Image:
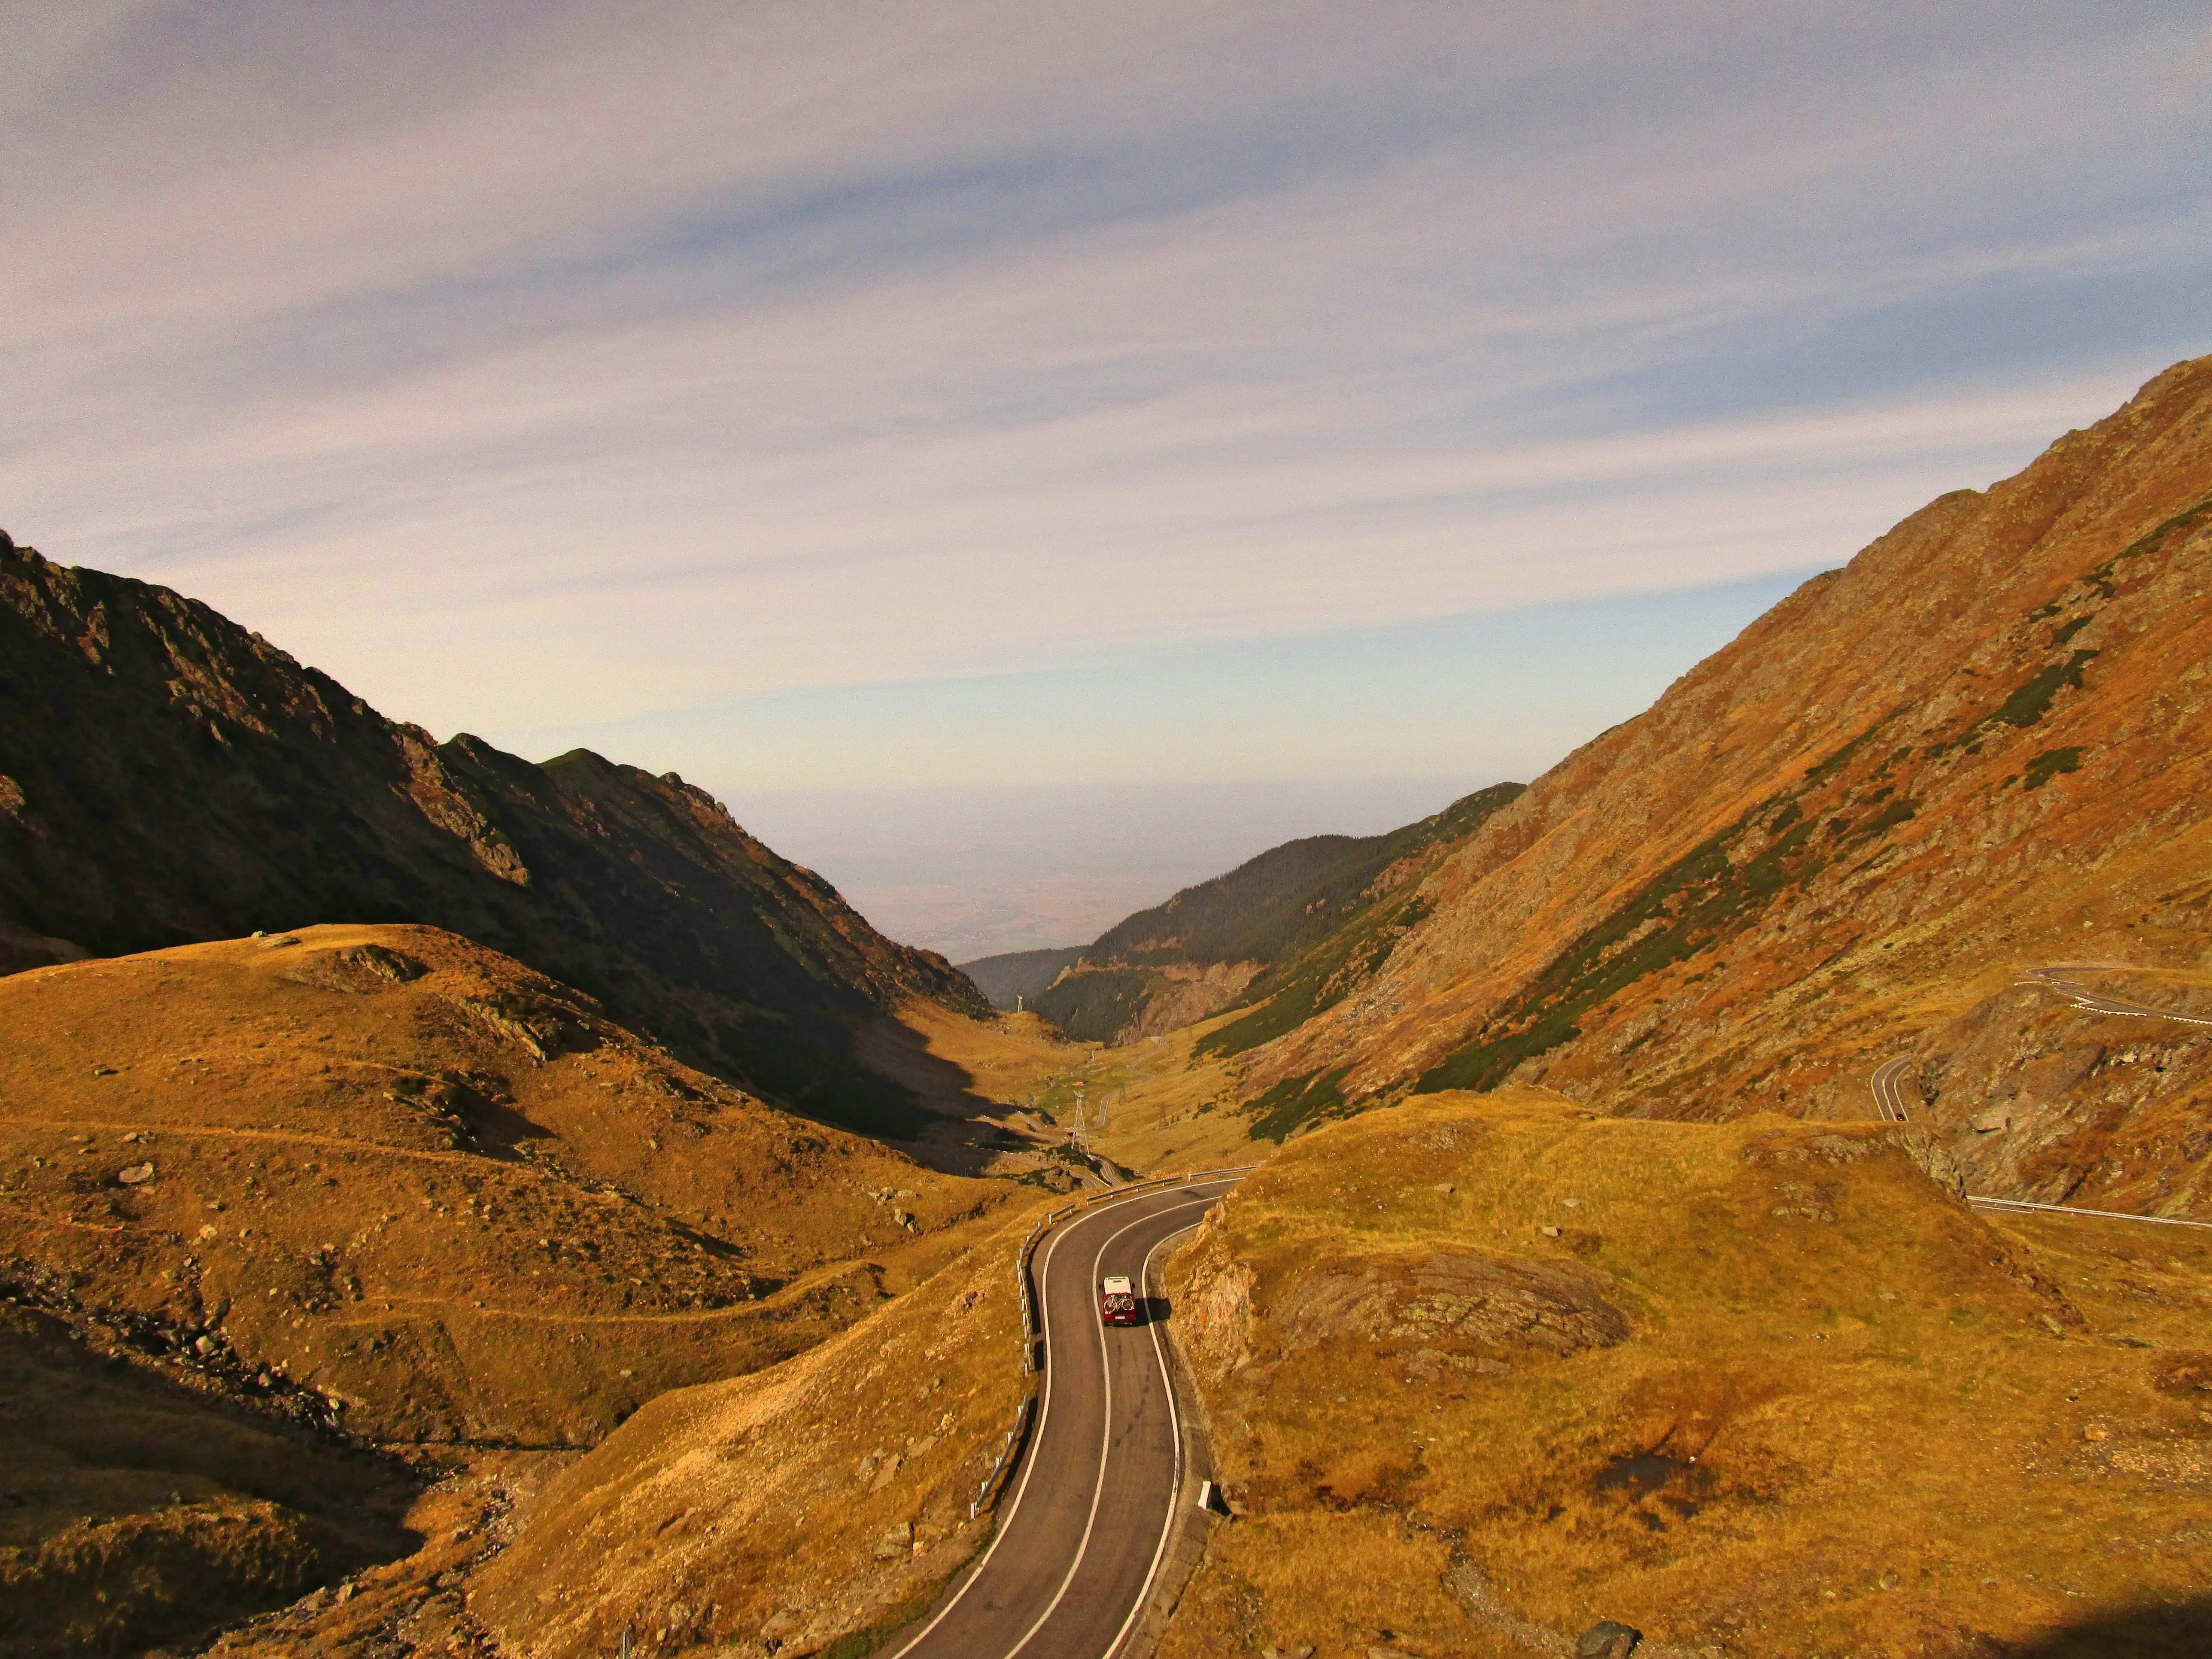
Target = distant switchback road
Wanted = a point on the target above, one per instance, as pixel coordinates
(2095, 1002)
(1889, 1098)
(1083, 1533)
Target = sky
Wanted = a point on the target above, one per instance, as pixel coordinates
(1028, 459)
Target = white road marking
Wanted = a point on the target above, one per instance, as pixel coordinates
(2074, 1209)
(1889, 1104)
(1036, 1439)
(1106, 1434)
(1174, 1489)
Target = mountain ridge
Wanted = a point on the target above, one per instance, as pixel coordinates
(1963, 755)
(187, 779)
(1218, 944)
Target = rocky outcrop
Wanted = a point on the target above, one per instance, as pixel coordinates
(1459, 1296)
(171, 778)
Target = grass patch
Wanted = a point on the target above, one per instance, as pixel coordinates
(1803, 1319)
(1296, 1100)
(2033, 701)
(2050, 763)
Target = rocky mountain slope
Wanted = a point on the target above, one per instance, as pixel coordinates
(1212, 946)
(1977, 750)
(181, 780)
(376, 1186)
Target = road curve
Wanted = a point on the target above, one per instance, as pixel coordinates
(1082, 1536)
(1889, 1100)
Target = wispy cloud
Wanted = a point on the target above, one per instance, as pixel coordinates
(549, 366)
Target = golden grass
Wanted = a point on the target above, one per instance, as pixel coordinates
(378, 1195)
(786, 1510)
(1910, 1430)
(459, 1210)
(1151, 1105)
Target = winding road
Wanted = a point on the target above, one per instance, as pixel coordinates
(2096, 1002)
(1889, 1099)
(1083, 1536)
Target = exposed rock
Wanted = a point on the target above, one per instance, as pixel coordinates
(363, 969)
(1494, 1300)
(1607, 1639)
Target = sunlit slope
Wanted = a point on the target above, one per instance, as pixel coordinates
(184, 780)
(389, 1174)
(789, 1510)
(1154, 1105)
(1483, 1371)
(1977, 749)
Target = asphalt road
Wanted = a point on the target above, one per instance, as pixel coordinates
(1889, 1099)
(2096, 1002)
(1083, 1534)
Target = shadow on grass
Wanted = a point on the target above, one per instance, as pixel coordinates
(2181, 1631)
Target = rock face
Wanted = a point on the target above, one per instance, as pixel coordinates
(167, 777)
(1978, 750)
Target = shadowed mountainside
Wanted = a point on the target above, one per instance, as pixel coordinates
(1019, 974)
(1977, 750)
(1212, 946)
(184, 780)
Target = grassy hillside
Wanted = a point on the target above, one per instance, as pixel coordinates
(375, 1186)
(798, 1511)
(185, 781)
(1483, 1371)
(413, 1183)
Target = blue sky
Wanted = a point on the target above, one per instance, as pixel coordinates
(1307, 406)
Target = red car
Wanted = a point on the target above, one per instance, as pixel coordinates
(1117, 1301)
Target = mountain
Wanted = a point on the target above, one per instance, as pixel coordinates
(167, 777)
(1213, 945)
(1019, 974)
(1975, 752)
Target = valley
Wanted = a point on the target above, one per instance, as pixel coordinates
(451, 1204)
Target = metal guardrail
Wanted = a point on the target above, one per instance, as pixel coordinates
(1017, 1438)
(2075, 1209)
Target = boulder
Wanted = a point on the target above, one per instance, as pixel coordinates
(1607, 1639)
